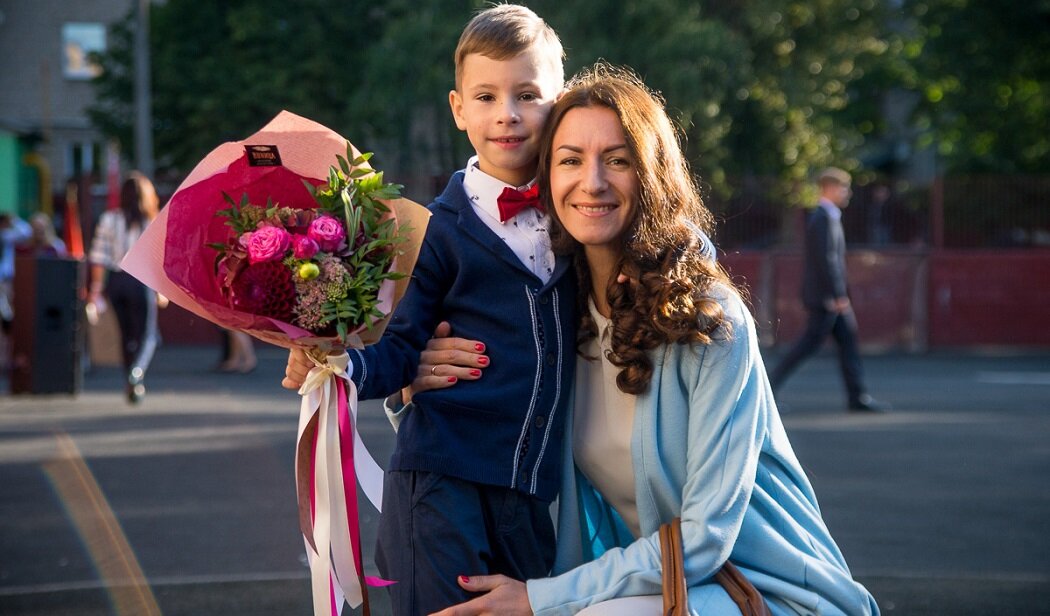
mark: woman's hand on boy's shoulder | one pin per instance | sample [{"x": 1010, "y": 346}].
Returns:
[{"x": 447, "y": 360}]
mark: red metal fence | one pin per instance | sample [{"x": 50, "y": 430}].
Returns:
[{"x": 912, "y": 300}]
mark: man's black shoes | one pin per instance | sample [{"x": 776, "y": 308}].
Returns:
[{"x": 867, "y": 404}]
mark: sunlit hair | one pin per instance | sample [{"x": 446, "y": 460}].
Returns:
[
  {"x": 505, "y": 31},
  {"x": 138, "y": 200},
  {"x": 671, "y": 301},
  {"x": 833, "y": 176}
]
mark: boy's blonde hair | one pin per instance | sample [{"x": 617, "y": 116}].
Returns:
[{"x": 506, "y": 30}]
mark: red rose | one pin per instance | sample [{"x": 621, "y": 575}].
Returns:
[
  {"x": 328, "y": 233},
  {"x": 268, "y": 244}
]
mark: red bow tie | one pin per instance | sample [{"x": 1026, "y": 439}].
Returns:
[{"x": 512, "y": 201}]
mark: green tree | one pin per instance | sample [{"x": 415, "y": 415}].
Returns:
[
  {"x": 760, "y": 87},
  {"x": 983, "y": 73},
  {"x": 221, "y": 70}
]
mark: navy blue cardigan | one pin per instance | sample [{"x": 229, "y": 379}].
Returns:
[{"x": 507, "y": 428}]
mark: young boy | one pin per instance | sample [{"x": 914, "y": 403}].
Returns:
[{"x": 475, "y": 467}]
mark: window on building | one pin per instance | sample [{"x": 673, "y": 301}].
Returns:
[
  {"x": 84, "y": 159},
  {"x": 79, "y": 41}
]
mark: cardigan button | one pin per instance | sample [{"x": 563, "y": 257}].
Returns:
[
  {"x": 551, "y": 359},
  {"x": 541, "y": 421},
  {"x": 543, "y": 299}
]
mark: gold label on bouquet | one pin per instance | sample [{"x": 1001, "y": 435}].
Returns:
[{"x": 263, "y": 155}]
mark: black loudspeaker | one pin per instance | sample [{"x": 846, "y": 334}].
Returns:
[{"x": 48, "y": 332}]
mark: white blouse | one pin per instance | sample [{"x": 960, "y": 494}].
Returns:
[
  {"x": 113, "y": 239},
  {"x": 603, "y": 421}
]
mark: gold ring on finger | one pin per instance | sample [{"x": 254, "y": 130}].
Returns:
[{"x": 433, "y": 370}]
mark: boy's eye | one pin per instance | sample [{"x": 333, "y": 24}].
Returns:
[
  {"x": 529, "y": 96},
  {"x": 488, "y": 98}
]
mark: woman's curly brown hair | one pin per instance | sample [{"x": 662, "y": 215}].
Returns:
[{"x": 669, "y": 297}]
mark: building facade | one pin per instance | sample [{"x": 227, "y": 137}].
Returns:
[{"x": 46, "y": 138}]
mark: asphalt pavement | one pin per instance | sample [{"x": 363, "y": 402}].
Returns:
[{"x": 185, "y": 504}]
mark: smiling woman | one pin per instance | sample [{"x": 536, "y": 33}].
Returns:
[
  {"x": 672, "y": 414},
  {"x": 625, "y": 200},
  {"x": 593, "y": 182}
]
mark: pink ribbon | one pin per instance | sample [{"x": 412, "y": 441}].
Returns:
[
  {"x": 346, "y": 449},
  {"x": 330, "y": 460}
]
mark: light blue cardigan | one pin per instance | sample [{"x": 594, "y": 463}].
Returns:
[{"x": 708, "y": 445}]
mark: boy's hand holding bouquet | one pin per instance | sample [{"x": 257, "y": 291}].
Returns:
[{"x": 291, "y": 237}]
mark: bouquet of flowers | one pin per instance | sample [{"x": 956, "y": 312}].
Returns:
[
  {"x": 321, "y": 268},
  {"x": 291, "y": 237}
]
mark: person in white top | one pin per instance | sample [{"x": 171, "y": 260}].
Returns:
[
  {"x": 13, "y": 232},
  {"x": 133, "y": 303}
]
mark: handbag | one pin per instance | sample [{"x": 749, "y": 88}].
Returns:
[{"x": 676, "y": 591}]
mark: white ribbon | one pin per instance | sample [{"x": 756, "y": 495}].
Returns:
[{"x": 332, "y": 566}]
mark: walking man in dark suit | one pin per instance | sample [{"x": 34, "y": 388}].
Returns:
[{"x": 824, "y": 293}]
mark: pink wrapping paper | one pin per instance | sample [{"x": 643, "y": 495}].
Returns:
[{"x": 172, "y": 257}]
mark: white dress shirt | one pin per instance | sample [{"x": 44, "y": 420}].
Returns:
[
  {"x": 834, "y": 211},
  {"x": 527, "y": 234}
]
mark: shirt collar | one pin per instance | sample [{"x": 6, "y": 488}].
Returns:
[
  {"x": 482, "y": 189},
  {"x": 602, "y": 323},
  {"x": 833, "y": 210}
]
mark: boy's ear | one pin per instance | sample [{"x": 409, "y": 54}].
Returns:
[{"x": 455, "y": 102}]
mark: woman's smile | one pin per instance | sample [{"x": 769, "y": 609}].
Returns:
[{"x": 593, "y": 181}]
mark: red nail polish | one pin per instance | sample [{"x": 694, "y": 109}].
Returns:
[
  {"x": 464, "y": 579},
  {"x": 480, "y": 348},
  {"x": 451, "y": 379},
  {"x": 483, "y": 360},
  {"x": 475, "y": 373}
]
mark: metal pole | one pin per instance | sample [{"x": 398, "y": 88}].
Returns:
[
  {"x": 143, "y": 114},
  {"x": 937, "y": 212}
]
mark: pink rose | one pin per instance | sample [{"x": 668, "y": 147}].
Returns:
[
  {"x": 328, "y": 233},
  {"x": 304, "y": 247},
  {"x": 268, "y": 244}
]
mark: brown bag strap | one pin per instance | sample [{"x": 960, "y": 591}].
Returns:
[
  {"x": 676, "y": 591},
  {"x": 741, "y": 591}
]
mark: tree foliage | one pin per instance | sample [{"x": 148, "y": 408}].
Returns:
[
  {"x": 762, "y": 88},
  {"x": 983, "y": 72},
  {"x": 756, "y": 85},
  {"x": 220, "y": 70}
]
